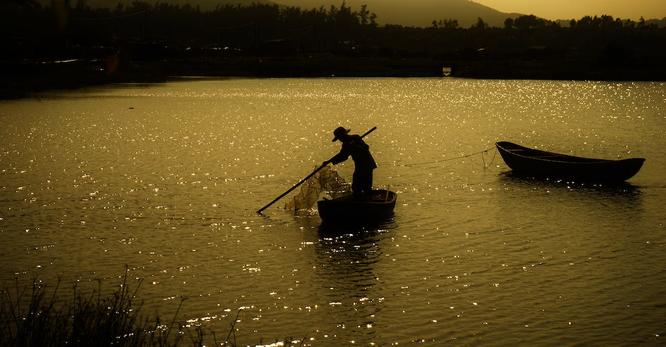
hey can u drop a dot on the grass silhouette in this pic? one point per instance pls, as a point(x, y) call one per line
point(34, 316)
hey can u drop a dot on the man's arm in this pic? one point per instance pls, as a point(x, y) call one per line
point(342, 156)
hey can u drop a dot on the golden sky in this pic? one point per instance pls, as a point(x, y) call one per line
point(566, 9)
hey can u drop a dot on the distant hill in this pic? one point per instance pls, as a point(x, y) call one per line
point(422, 12)
point(419, 13)
point(203, 4)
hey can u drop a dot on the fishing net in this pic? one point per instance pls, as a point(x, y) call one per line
point(327, 182)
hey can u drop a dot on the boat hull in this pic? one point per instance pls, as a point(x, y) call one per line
point(531, 162)
point(348, 210)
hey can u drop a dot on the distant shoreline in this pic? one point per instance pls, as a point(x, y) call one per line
point(26, 79)
point(71, 47)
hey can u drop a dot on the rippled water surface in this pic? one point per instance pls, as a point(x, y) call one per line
point(166, 179)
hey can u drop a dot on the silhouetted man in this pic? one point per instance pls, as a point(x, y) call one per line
point(363, 162)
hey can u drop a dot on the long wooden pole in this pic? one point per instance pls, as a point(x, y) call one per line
point(306, 178)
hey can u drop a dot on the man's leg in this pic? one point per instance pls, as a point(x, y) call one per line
point(362, 183)
point(357, 185)
point(367, 182)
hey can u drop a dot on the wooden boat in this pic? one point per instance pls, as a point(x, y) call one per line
point(349, 210)
point(532, 162)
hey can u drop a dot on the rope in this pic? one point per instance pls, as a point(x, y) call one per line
point(483, 158)
point(482, 153)
point(486, 165)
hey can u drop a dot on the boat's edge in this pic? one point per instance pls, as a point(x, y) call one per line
point(336, 211)
point(629, 166)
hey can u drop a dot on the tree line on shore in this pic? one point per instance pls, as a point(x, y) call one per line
point(143, 32)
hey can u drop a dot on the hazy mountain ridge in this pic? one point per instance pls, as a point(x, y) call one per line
point(203, 4)
point(419, 13)
point(422, 12)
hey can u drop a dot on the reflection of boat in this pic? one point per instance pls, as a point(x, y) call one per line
point(532, 162)
point(348, 209)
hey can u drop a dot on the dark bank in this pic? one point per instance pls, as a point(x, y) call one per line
point(70, 45)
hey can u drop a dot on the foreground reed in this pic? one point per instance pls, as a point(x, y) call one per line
point(34, 317)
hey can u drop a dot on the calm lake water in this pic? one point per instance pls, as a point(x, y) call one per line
point(166, 179)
